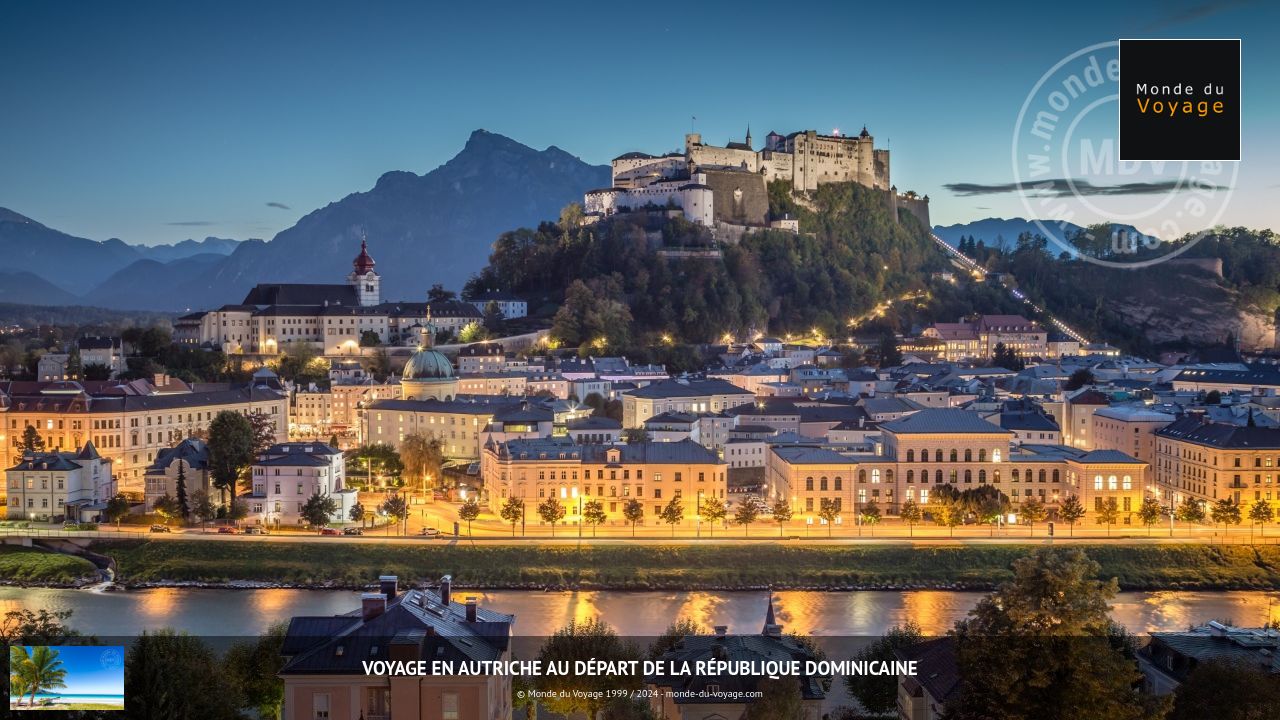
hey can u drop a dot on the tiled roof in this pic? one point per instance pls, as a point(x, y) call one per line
point(1222, 435)
point(942, 420)
point(936, 668)
point(301, 294)
point(693, 388)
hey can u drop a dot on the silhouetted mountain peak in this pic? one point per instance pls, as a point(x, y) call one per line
point(7, 215)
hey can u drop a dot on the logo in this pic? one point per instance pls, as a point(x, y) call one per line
point(1088, 202)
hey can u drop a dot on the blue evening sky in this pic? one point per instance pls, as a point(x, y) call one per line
point(154, 122)
point(87, 673)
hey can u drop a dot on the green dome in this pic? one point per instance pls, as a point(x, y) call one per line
point(427, 364)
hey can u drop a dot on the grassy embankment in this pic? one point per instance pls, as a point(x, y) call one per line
point(644, 567)
point(25, 565)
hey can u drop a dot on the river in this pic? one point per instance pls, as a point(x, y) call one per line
point(224, 613)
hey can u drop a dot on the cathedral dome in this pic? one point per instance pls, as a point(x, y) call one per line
point(427, 364)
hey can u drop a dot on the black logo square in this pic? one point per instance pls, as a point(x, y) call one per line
point(1180, 100)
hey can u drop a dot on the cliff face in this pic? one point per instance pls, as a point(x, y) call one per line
point(1186, 300)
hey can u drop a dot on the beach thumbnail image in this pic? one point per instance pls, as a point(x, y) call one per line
point(66, 677)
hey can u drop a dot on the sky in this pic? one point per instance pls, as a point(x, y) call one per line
point(155, 122)
point(91, 670)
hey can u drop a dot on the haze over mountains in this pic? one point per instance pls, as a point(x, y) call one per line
point(422, 229)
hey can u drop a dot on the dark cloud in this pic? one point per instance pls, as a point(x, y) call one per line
point(1196, 12)
point(192, 223)
point(280, 205)
point(1060, 187)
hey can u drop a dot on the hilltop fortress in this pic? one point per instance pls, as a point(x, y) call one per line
point(725, 188)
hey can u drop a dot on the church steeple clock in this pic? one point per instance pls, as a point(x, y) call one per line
point(368, 284)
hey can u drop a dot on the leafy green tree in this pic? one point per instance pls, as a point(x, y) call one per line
point(171, 675)
point(469, 511)
point(1223, 690)
point(635, 436)
point(513, 512)
point(369, 338)
point(1108, 513)
point(31, 441)
point(437, 294)
point(1071, 512)
point(747, 512)
point(318, 510)
point(423, 457)
point(1022, 648)
point(1079, 379)
point(878, 694)
point(551, 511)
point(633, 512)
point(713, 510)
point(910, 514)
point(829, 510)
point(252, 666)
point(494, 322)
point(237, 510)
point(202, 507)
point(593, 514)
point(356, 513)
point(166, 507)
point(1150, 512)
point(1226, 512)
point(97, 372)
point(231, 448)
point(75, 366)
point(585, 693)
point(396, 508)
point(671, 638)
point(1261, 513)
point(1032, 512)
point(781, 512)
point(380, 364)
point(117, 507)
point(890, 355)
point(779, 698)
point(870, 515)
point(37, 670)
point(1190, 511)
point(673, 513)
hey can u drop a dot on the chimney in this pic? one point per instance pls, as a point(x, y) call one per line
point(388, 585)
point(721, 630)
point(446, 590)
point(471, 609)
point(372, 605)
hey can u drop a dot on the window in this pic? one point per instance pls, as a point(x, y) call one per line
point(320, 706)
point(1097, 482)
point(449, 706)
point(808, 483)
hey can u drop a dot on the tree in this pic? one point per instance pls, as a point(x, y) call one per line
point(356, 513)
point(1108, 513)
point(713, 511)
point(513, 512)
point(1190, 511)
point(1006, 357)
point(593, 514)
point(369, 338)
point(1150, 512)
point(97, 372)
point(1071, 512)
point(779, 698)
point(1213, 397)
point(1079, 379)
point(202, 506)
point(878, 694)
point(673, 513)
point(37, 670)
point(117, 507)
point(948, 515)
point(1032, 512)
point(469, 511)
point(184, 508)
point(1042, 645)
point(1223, 690)
point(871, 515)
point(75, 366)
point(231, 447)
point(781, 512)
point(1227, 512)
point(166, 507)
point(172, 675)
point(396, 508)
point(586, 693)
point(910, 513)
point(551, 511)
point(633, 512)
point(437, 294)
point(31, 441)
point(635, 436)
point(1261, 513)
point(318, 510)
point(829, 510)
point(237, 510)
point(251, 666)
point(494, 321)
point(380, 364)
point(264, 431)
point(747, 512)
point(422, 456)
point(890, 355)
point(673, 636)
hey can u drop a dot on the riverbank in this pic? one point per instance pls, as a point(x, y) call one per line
point(142, 563)
point(28, 566)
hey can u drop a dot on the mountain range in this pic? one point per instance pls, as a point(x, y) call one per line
point(992, 230)
point(422, 229)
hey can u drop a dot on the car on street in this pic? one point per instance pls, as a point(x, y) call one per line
point(329, 531)
point(256, 531)
point(429, 532)
point(160, 529)
point(226, 530)
point(352, 531)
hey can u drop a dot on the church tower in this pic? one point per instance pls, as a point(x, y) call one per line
point(749, 145)
point(367, 283)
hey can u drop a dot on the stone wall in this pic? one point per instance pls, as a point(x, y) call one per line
point(741, 198)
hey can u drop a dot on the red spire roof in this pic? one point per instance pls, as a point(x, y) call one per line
point(363, 263)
